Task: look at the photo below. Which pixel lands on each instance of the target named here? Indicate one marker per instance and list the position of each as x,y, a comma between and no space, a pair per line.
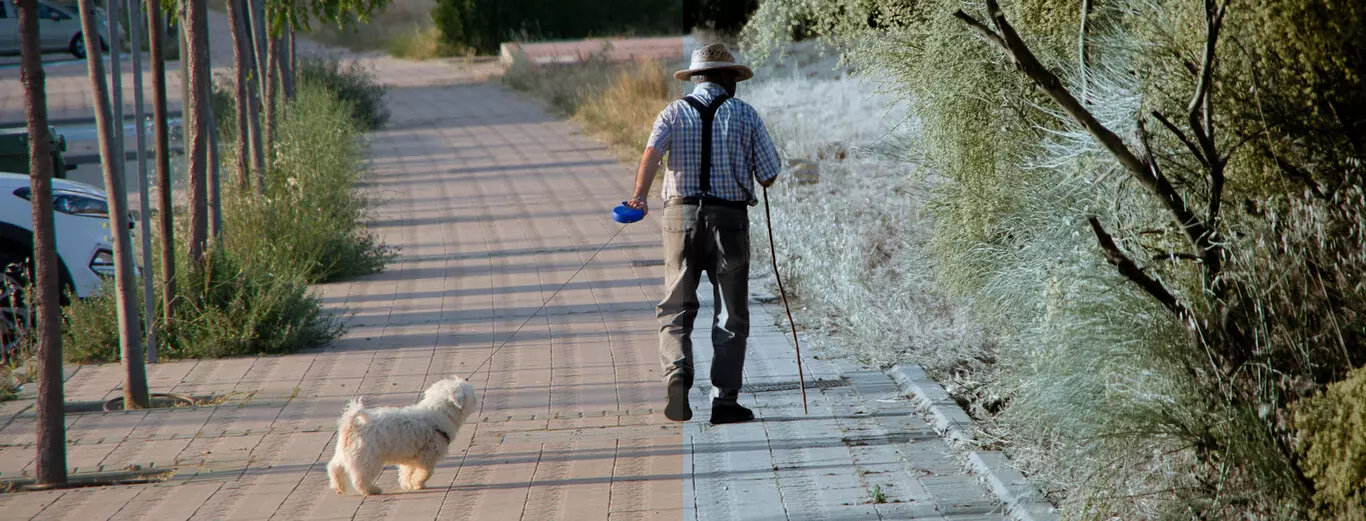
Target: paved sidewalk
495,205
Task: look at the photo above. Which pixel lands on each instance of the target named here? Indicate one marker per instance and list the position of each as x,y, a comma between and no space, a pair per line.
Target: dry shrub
1333,440
616,102
622,114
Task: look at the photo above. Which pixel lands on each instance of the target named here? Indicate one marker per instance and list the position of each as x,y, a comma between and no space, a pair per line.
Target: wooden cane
782,294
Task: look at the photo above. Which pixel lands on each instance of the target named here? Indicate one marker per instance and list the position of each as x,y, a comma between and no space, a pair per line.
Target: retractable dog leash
561,288
626,215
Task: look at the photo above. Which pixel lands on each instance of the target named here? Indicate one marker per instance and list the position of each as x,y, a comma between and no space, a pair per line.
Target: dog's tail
351,421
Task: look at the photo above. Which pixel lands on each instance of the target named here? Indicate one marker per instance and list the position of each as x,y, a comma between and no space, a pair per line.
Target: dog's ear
463,396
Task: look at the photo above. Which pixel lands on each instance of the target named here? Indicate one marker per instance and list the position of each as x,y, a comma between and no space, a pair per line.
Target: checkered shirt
741,148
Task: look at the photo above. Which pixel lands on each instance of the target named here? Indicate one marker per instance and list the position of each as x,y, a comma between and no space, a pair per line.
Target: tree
197,117
241,60
719,15
51,422
130,337
156,30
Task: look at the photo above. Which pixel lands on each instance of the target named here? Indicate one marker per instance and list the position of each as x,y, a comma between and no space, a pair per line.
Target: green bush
252,294
221,310
315,215
420,43
350,83
1333,440
1122,408
481,25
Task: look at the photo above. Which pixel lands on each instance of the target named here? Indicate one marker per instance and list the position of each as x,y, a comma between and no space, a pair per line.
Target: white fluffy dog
414,437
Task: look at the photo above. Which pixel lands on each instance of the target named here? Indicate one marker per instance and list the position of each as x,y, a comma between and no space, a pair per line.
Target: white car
59,28
85,247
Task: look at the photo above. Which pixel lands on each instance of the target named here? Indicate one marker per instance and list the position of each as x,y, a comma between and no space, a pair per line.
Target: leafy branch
1141,164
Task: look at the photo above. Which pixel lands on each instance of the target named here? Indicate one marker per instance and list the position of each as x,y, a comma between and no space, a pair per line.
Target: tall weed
252,294
351,83
616,102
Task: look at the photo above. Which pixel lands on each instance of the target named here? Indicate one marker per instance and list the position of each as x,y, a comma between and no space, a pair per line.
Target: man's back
741,149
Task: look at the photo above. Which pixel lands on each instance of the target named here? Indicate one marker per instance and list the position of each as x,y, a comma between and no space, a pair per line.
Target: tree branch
1196,230
1131,271
1175,255
982,30
1199,154
1082,33
1298,174
1199,112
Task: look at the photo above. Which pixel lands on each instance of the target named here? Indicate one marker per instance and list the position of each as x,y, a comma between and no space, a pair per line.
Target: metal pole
144,184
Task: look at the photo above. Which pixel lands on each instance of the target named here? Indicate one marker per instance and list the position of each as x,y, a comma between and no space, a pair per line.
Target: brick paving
494,205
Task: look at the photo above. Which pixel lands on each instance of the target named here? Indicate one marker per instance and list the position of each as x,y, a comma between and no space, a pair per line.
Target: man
717,147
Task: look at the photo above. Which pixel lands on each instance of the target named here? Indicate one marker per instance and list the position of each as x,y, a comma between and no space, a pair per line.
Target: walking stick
773,254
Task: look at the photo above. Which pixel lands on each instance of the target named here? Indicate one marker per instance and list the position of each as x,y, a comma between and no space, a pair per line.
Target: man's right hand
639,204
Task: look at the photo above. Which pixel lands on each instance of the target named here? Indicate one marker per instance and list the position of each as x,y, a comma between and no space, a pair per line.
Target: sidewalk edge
1022,499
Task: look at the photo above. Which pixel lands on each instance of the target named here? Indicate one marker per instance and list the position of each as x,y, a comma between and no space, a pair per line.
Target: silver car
59,28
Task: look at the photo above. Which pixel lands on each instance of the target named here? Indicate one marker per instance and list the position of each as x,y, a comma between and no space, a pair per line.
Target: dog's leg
420,476
405,477
422,470
336,474
364,473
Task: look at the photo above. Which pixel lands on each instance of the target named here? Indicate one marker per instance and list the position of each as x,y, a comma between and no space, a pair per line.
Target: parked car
85,250
59,28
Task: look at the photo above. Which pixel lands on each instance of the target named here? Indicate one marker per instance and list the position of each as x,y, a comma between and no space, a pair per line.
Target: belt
706,201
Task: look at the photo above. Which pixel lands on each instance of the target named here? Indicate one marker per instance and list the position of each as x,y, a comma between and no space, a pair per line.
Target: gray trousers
715,240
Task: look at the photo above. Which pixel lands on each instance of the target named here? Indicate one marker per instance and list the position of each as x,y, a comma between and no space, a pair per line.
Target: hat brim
742,72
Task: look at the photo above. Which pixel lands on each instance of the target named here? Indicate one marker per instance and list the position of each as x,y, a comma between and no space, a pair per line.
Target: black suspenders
708,115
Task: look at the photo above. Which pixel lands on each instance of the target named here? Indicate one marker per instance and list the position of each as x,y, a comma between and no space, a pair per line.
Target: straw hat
714,57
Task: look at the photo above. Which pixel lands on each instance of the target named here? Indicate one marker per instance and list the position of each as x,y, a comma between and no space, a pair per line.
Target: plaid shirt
741,148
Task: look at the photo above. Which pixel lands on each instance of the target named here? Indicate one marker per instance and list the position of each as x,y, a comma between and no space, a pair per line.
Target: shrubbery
481,25
252,293
1124,408
1333,440
351,84
615,101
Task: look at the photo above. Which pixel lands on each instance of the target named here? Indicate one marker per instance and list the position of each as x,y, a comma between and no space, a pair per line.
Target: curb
1022,499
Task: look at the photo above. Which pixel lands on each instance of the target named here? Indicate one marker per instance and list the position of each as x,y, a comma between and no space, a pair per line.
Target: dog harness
443,434
708,115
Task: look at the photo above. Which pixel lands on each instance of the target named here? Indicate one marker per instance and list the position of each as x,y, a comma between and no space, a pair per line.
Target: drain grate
769,387
647,263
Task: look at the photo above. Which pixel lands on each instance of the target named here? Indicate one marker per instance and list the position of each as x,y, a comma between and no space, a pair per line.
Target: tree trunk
272,77
288,65
130,335
240,88
214,185
197,117
51,463
156,31
257,16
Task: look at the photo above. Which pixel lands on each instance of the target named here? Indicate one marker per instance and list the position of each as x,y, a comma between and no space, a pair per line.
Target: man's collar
709,88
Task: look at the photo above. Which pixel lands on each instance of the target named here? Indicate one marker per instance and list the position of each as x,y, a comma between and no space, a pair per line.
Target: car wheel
78,46
16,319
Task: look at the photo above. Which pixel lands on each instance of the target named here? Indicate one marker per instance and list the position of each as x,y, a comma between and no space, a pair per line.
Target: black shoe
676,406
722,414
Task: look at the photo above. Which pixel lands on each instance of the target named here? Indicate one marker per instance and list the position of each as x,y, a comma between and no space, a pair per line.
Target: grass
403,29
879,496
420,43
350,84
15,374
252,295
615,102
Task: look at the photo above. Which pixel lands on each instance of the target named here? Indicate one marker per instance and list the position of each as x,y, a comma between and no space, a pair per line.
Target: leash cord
773,254
547,302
